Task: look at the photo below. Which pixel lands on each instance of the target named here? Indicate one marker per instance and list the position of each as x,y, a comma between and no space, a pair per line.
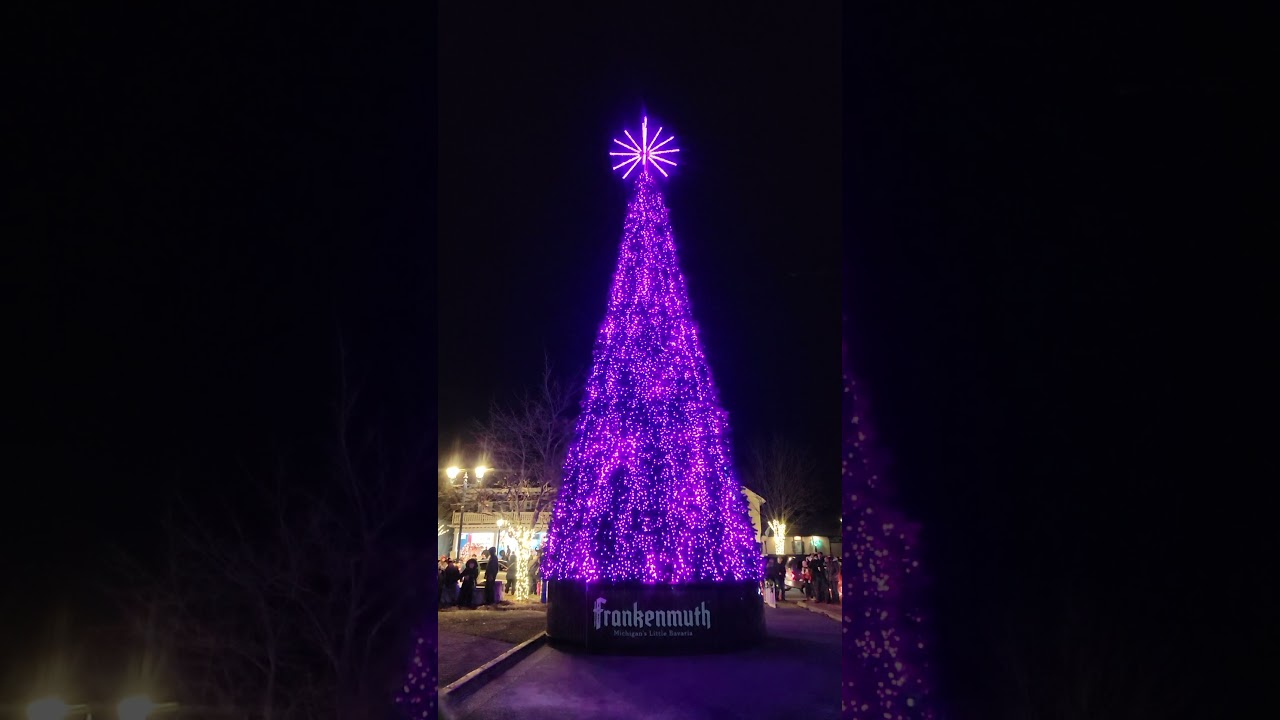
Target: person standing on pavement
491,576
440,566
511,575
449,584
833,572
780,578
535,571
470,573
823,580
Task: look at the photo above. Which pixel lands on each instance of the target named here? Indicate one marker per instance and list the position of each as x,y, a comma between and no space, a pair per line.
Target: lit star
644,153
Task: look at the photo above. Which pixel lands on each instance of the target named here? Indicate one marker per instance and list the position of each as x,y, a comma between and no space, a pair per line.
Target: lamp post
452,473
498,545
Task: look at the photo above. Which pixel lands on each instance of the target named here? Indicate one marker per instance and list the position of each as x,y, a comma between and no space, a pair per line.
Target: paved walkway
460,654
830,610
800,654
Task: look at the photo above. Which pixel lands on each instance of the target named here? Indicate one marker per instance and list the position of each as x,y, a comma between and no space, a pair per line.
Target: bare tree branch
526,442
288,605
783,474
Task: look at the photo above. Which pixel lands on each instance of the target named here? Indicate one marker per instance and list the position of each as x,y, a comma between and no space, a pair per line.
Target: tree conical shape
649,492
886,660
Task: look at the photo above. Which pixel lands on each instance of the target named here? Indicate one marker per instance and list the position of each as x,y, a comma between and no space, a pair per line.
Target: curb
475,679
829,612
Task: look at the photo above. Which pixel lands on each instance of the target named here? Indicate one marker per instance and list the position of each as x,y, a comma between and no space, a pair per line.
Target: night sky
531,214
209,200
1048,222
1056,284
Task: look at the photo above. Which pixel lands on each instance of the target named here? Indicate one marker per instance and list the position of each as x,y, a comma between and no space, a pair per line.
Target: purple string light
419,695
649,492
644,153
886,667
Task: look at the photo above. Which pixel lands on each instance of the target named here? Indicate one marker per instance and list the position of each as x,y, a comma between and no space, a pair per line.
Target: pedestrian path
831,610
801,653
461,653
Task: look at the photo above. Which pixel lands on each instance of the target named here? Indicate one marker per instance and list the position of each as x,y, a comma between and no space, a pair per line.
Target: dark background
208,203
531,214
1056,285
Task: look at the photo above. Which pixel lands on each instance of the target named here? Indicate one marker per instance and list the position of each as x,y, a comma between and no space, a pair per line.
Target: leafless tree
1079,658
783,474
525,442
301,606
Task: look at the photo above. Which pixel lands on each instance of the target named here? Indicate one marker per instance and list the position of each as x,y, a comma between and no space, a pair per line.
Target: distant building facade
474,528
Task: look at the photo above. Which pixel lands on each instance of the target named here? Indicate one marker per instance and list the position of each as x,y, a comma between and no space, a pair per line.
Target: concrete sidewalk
800,654
460,654
830,610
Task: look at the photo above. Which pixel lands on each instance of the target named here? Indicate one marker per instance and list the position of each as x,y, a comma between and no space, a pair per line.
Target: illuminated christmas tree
649,493
886,656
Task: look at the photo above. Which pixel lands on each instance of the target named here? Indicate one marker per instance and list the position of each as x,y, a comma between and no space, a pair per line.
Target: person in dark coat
806,578
470,573
820,581
491,576
833,572
511,574
780,578
535,571
449,584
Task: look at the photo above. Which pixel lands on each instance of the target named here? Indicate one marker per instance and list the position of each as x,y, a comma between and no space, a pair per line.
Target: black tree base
619,618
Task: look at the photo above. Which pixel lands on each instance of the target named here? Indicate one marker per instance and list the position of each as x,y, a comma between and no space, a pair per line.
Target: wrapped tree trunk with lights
782,473
526,441
885,641
650,546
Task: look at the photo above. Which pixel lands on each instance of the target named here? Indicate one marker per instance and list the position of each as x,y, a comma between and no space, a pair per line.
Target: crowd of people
815,575
495,561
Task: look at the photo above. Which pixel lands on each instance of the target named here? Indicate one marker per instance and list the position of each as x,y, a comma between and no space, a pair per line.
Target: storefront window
472,544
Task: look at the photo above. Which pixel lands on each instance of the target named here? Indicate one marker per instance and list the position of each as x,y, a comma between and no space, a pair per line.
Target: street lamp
452,473
498,545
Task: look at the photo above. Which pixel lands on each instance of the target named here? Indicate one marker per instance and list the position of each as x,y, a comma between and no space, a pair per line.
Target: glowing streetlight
137,707
48,709
452,472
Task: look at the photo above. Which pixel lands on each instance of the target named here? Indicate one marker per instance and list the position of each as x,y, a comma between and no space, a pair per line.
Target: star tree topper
644,153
